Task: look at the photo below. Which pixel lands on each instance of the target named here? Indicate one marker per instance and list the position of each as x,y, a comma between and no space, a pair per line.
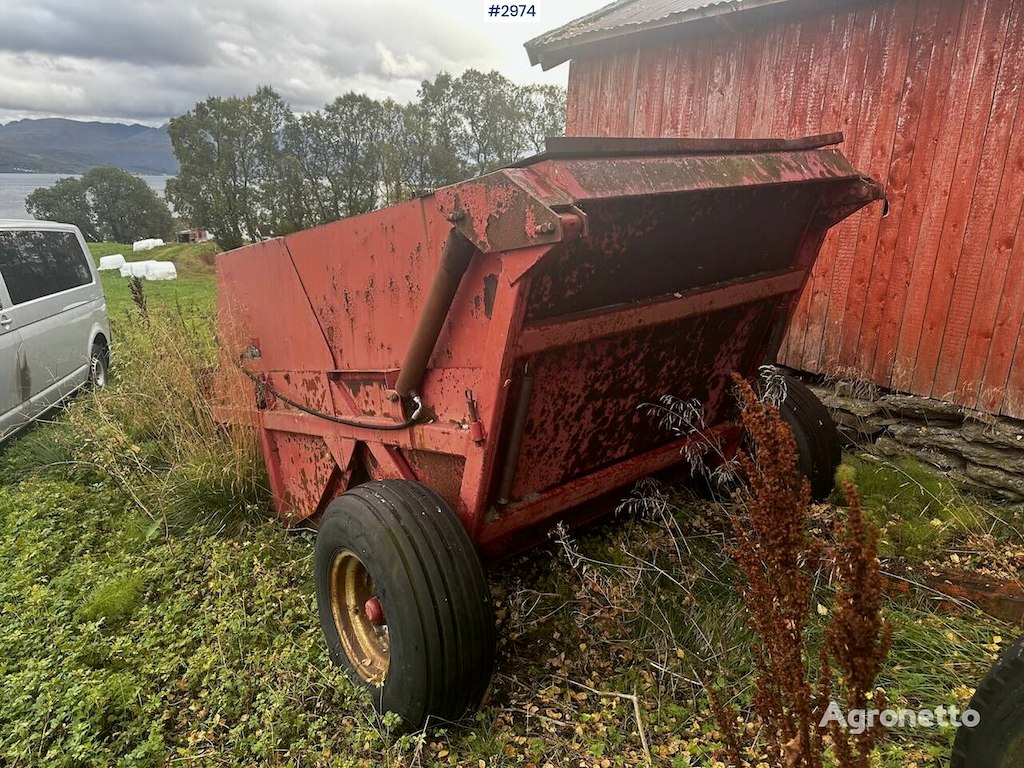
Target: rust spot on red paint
490,291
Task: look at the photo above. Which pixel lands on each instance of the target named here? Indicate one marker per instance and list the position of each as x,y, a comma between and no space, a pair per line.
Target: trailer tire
997,741
426,648
817,439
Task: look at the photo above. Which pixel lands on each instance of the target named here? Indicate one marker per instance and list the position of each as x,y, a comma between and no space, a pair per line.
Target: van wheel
403,601
99,365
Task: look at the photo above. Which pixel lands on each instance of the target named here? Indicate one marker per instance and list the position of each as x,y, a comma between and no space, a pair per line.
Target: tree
124,207
250,167
66,202
544,114
492,111
337,153
229,153
293,210
106,204
307,146
396,151
353,123
444,127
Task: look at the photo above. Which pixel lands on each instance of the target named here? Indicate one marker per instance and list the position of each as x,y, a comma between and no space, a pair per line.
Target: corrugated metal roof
626,17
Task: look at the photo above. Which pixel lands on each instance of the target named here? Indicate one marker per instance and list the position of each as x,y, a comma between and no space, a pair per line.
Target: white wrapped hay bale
114,261
161,270
135,268
148,244
150,270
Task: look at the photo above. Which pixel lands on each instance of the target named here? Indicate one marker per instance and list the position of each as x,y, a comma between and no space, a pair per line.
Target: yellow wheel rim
359,618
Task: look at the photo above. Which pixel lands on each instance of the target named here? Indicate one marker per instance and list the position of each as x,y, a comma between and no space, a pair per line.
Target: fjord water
15,187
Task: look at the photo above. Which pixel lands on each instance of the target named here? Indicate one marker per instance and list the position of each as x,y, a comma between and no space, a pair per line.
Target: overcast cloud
146,61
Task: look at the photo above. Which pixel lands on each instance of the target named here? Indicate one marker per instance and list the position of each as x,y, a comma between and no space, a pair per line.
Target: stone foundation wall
978,450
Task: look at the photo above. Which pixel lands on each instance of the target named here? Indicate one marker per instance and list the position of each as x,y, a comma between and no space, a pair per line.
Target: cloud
146,60
114,30
408,66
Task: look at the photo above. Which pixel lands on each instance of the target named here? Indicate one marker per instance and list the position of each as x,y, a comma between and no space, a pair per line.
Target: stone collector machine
438,383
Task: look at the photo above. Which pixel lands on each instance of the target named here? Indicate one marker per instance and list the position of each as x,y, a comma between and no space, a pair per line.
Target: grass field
193,289
153,613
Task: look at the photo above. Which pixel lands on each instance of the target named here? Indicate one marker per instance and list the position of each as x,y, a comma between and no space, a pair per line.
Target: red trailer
448,378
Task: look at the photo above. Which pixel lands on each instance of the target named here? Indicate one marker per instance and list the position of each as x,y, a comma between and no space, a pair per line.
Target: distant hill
57,145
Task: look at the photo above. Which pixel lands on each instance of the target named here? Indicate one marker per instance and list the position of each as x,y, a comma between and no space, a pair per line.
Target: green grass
124,647
135,633
194,291
917,511
114,600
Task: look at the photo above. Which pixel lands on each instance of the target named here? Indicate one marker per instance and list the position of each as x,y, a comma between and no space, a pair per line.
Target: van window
37,263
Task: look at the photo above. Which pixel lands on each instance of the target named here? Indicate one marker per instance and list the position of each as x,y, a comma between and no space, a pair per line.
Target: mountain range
58,145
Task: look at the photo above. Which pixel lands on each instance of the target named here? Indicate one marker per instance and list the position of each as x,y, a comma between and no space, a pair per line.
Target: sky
148,60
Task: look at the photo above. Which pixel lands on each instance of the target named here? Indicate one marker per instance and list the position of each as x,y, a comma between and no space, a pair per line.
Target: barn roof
626,17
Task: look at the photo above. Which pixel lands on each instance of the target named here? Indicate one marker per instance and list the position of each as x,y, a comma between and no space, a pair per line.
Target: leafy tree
266,116
106,204
337,153
124,207
492,111
396,151
250,167
66,202
543,114
307,147
354,122
441,116
229,152
292,206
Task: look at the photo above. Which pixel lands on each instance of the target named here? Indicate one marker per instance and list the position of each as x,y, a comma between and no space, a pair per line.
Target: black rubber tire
435,599
997,741
816,437
99,365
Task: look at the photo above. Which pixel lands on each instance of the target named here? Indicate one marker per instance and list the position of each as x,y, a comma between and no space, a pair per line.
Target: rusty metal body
600,276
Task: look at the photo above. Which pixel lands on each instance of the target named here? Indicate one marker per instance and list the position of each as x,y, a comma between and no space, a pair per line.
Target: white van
54,333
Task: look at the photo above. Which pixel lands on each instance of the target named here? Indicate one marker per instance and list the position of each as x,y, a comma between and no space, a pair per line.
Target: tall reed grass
155,429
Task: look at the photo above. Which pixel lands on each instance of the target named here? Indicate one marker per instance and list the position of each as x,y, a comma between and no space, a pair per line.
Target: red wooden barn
929,300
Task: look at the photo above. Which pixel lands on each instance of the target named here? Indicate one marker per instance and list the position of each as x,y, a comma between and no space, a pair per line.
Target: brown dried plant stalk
776,558
139,297
857,638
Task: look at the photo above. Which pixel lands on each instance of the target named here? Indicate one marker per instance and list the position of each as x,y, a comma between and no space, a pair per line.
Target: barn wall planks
928,92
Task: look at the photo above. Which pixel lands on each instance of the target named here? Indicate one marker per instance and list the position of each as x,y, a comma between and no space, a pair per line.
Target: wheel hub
99,372
374,611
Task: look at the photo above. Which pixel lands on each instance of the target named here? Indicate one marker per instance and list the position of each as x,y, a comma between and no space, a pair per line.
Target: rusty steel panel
250,310
442,472
303,475
381,264
584,410
528,522
498,212
570,291
566,331
643,248
928,96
